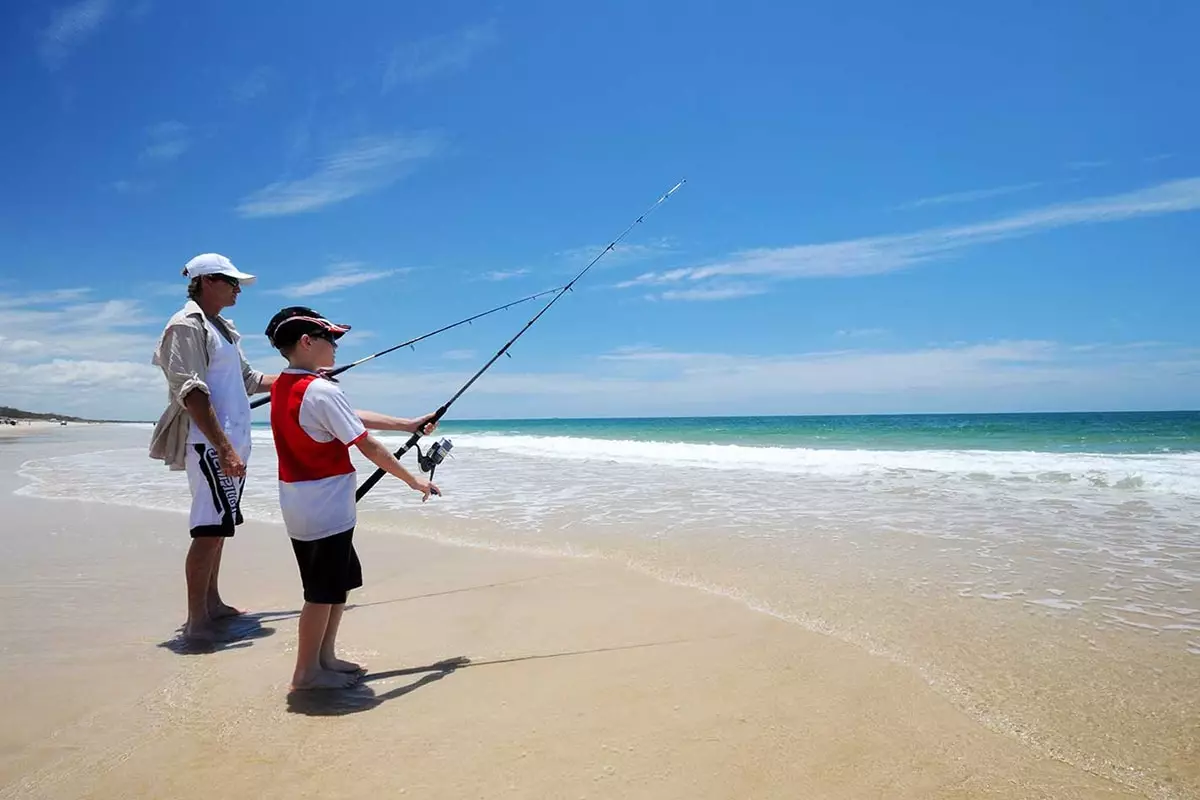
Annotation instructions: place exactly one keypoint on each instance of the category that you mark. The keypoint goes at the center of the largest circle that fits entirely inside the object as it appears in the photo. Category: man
(205, 429)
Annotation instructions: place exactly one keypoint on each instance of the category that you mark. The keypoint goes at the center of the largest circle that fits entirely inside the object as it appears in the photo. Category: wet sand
(491, 675)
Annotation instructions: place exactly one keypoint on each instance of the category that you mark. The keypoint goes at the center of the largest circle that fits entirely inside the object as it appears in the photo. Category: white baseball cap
(216, 264)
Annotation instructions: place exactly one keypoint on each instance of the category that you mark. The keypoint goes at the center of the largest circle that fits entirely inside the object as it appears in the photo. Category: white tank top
(227, 392)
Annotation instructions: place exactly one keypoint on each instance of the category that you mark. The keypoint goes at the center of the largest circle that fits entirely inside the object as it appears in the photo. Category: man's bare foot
(325, 679)
(224, 611)
(195, 632)
(338, 665)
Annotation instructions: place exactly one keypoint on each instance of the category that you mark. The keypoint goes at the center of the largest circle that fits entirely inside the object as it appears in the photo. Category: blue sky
(888, 209)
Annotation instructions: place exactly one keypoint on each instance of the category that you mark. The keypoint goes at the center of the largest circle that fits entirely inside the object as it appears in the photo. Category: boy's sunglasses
(326, 335)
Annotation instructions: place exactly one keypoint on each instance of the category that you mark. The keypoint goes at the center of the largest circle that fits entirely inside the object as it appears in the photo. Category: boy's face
(323, 348)
(314, 351)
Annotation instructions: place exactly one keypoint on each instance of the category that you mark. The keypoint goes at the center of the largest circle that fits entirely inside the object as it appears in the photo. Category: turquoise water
(1108, 433)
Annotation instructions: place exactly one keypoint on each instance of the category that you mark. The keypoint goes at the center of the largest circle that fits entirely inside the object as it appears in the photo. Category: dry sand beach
(491, 674)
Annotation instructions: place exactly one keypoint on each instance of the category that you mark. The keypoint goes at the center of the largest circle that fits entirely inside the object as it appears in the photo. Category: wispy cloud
(969, 196)
(620, 254)
(421, 60)
(881, 254)
(504, 275)
(1079, 166)
(167, 141)
(70, 27)
(710, 293)
(367, 164)
(339, 276)
(253, 85)
(861, 333)
(984, 376)
(176, 289)
(459, 355)
(62, 323)
(54, 296)
(126, 186)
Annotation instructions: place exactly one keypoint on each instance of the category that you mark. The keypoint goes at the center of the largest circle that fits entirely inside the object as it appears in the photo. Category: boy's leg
(309, 674)
(345, 575)
(323, 567)
(328, 657)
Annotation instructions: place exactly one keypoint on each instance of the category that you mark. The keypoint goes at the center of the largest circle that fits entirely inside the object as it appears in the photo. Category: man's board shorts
(216, 498)
(329, 567)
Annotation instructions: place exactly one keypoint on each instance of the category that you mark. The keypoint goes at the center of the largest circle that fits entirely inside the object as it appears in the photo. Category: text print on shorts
(216, 501)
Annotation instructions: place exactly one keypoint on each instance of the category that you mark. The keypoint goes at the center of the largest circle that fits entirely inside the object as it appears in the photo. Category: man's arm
(380, 456)
(256, 382)
(200, 409)
(382, 422)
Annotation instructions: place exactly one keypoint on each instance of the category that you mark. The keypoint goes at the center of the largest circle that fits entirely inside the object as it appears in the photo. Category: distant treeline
(16, 413)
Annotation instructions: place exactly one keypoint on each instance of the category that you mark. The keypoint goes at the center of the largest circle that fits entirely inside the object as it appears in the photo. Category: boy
(314, 427)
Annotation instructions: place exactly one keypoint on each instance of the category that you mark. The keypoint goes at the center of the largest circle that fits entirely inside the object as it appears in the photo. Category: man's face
(222, 289)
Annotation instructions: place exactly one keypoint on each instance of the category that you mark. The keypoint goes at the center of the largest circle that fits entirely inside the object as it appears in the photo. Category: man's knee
(206, 545)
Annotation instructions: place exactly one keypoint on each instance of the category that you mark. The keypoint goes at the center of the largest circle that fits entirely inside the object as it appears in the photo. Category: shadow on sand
(362, 697)
(232, 634)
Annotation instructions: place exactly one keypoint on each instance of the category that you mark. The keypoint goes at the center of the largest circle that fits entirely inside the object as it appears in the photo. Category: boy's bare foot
(338, 665)
(325, 679)
(224, 611)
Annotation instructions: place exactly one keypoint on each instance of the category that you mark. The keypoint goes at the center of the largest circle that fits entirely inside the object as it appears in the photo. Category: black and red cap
(289, 324)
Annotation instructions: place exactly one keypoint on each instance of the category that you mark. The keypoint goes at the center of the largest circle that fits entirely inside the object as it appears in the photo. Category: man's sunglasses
(226, 279)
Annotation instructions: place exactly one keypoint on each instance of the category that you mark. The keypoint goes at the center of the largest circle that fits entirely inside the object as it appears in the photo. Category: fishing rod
(428, 462)
(262, 401)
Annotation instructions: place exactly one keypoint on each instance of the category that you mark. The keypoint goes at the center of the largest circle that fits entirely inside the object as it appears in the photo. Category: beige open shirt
(182, 354)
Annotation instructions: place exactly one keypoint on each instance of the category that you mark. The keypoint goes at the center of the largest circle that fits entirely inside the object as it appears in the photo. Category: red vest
(302, 458)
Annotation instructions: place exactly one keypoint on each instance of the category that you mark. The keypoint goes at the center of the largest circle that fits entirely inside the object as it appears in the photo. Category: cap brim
(337, 330)
(242, 277)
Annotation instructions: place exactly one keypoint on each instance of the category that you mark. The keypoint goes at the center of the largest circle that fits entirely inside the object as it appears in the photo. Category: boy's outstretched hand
(425, 424)
(426, 488)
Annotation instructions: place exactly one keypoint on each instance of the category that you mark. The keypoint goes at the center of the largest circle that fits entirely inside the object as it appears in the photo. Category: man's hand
(231, 463)
(425, 487)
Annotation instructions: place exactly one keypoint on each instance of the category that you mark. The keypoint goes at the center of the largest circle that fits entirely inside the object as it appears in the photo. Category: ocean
(1042, 571)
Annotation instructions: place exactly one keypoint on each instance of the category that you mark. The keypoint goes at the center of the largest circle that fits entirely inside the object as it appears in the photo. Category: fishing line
(429, 461)
(262, 401)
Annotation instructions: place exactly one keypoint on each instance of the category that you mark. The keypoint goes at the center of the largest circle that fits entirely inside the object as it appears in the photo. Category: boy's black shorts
(329, 567)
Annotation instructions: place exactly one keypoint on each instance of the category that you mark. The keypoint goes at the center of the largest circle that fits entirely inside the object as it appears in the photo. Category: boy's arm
(382, 422)
(380, 456)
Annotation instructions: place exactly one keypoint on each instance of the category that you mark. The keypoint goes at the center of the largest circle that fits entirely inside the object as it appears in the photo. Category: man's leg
(329, 659)
(198, 569)
(309, 674)
(217, 609)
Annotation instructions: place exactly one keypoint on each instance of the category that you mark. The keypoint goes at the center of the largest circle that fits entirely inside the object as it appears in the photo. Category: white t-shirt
(319, 508)
(226, 392)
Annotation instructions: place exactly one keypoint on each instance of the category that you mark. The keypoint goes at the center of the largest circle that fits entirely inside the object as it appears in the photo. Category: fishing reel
(436, 454)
